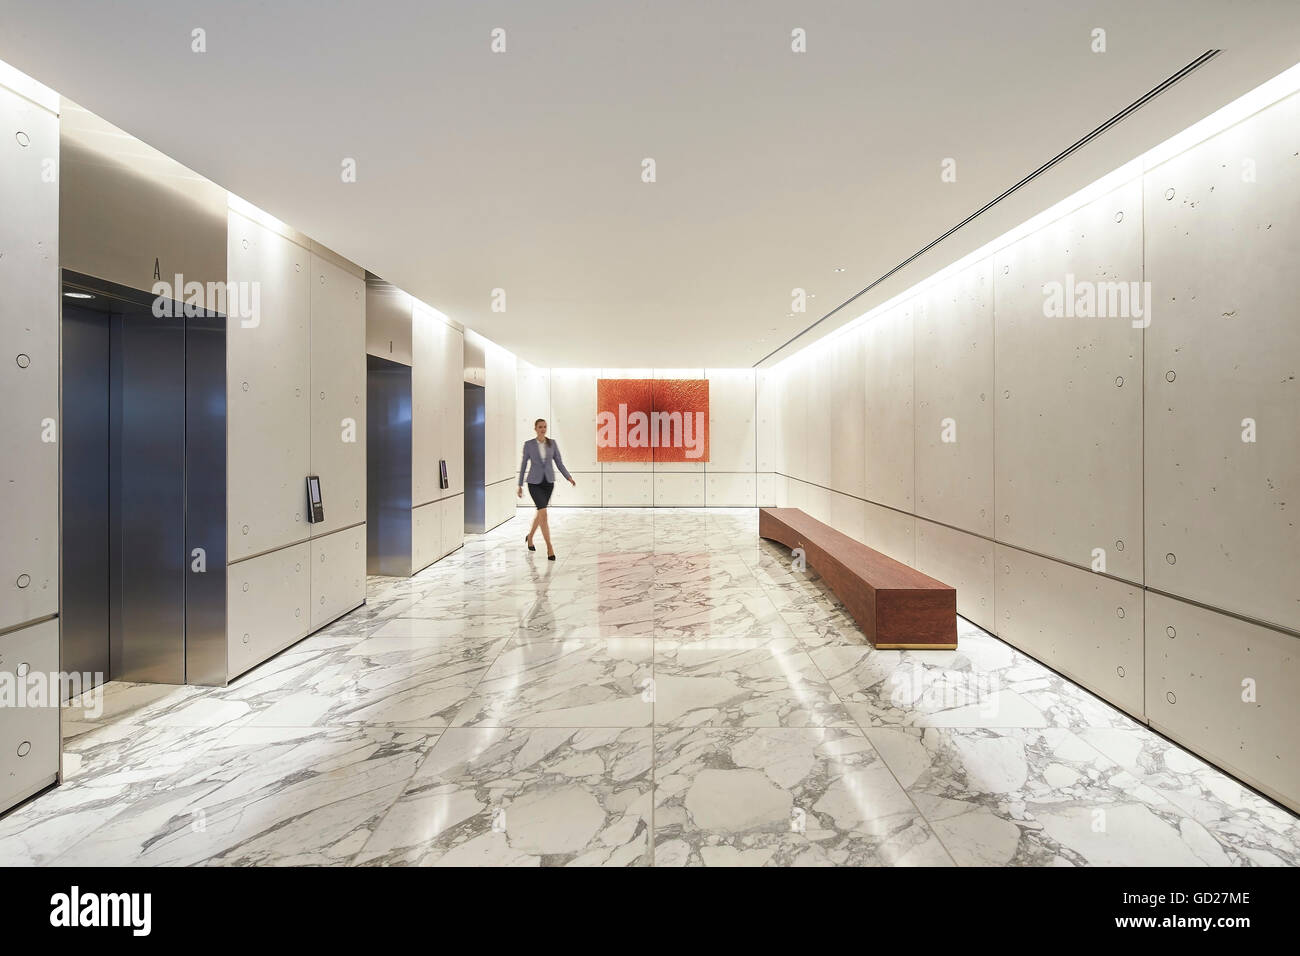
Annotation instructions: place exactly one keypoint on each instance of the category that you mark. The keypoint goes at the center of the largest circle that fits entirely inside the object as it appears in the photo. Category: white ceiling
(522, 170)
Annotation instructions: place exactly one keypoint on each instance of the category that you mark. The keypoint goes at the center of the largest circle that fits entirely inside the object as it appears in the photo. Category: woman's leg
(546, 529)
(537, 517)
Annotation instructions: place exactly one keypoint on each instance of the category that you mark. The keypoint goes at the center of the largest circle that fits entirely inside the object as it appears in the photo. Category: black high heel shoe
(550, 557)
(531, 546)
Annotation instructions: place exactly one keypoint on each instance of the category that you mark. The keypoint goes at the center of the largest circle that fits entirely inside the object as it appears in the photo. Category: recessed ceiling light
(840, 269)
(77, 295)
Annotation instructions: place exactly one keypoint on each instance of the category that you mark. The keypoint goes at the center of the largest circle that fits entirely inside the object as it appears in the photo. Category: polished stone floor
(668, 692)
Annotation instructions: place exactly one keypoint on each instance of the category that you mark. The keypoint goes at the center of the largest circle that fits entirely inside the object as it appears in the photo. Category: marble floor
(669, 692)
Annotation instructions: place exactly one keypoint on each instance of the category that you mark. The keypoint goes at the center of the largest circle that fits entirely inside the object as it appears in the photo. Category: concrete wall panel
(269, 605)
(1086, 626)
(1228, 689)
(268, 385)
(963, 561)
(634, 490)
(890, 411)
(890, 532)
(848, 386)
(731, 420)
(679, 490)
(338, 393)
(726, 490)
(29, 735)
(29, 372)
(573, 408)
(954, 400)
(338, 574)
(1068, 443)
(1223, 352)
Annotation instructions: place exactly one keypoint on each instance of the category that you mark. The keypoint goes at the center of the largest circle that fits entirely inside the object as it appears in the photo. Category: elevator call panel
(442, 474)
(315, 506)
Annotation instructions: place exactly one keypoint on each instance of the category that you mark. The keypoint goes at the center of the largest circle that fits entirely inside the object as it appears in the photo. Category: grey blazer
(538, 470)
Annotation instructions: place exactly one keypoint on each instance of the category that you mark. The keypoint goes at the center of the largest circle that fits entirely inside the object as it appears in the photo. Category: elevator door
(147, 499)
(85, 492)
(205, 500)
(144, 487)
(475, 459)
(388, 467)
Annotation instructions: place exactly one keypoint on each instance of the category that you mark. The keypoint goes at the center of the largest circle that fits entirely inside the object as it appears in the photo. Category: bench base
(916, 647)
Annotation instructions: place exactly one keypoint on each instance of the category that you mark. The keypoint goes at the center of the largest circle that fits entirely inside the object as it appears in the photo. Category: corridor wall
(1116, 496)
(402, 329)
(29, 428)
(296, 391)
(733, 477)
(437, 433)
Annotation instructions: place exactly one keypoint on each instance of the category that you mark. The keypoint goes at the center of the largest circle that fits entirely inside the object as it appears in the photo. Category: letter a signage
(646, 419)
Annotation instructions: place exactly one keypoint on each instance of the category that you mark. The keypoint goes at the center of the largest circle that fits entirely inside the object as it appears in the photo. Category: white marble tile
(109, 769)
(588, 683)
(523, 797)
(123, 700)
(1040, 797)
(782, 796)
(724, 614)
(822, 625)
(264, 796)
(592, 614)
(725, 682)
(463, 627)
(1239, 818)
(888, 688)
(385, 681)
(671, 691)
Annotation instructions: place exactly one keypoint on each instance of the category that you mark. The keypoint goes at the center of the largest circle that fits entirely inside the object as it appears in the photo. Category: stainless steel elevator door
(475, 459)
(147, 482)
(143, 535)
(205, 500)
(85, 402)
(388, 467)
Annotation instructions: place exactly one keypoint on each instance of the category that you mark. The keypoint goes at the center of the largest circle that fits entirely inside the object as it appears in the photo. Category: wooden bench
(897, 607)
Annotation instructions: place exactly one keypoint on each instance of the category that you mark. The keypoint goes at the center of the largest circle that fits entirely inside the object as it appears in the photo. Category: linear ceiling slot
(1078, 144)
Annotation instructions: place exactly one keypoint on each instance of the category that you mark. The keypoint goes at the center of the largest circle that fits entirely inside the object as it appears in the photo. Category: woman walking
(541, 458)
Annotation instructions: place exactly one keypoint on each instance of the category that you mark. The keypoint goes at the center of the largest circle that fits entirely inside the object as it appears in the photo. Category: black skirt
(541, 492)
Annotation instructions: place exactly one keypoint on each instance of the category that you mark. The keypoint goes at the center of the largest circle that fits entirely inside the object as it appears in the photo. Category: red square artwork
(643, 419)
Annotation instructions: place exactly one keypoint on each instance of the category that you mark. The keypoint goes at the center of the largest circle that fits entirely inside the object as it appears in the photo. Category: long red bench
(896, 607)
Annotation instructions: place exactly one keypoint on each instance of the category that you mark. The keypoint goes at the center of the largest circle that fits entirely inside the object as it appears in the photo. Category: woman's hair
(539, 422)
